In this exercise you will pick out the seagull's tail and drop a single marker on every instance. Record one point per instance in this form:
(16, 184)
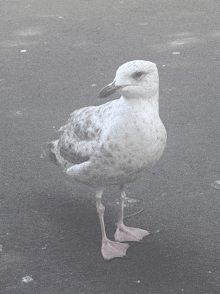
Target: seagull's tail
(50, 151)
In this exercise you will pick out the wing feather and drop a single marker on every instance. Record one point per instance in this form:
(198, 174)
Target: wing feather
(81, 134)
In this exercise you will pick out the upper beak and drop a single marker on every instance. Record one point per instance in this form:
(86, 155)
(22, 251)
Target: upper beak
(109, 89)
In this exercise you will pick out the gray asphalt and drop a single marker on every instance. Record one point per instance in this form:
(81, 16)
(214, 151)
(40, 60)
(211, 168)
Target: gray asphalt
(55, 57)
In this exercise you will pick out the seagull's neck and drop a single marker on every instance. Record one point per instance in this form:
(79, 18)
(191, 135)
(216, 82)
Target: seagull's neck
(152, 101)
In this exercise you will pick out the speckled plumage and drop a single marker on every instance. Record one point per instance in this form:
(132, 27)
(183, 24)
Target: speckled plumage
(115, 143)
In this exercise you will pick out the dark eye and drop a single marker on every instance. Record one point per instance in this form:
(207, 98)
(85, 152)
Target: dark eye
(138, 74)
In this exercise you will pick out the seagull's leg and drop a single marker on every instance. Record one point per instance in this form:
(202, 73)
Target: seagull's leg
(124, 233)
(110, 249)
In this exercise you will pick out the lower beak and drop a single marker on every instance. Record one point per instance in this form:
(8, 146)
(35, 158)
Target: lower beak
(109, 89)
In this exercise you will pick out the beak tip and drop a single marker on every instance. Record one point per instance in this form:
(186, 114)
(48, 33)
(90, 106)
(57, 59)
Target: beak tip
(109, 90)
(103, 94)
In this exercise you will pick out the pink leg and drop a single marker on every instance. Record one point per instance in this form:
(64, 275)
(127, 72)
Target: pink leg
(124, 233)
(110, 249)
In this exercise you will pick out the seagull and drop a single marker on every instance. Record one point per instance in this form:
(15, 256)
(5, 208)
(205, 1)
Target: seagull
(115, 143)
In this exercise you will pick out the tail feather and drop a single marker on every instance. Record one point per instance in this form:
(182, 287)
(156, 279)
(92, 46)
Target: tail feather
(52, 157)
(50, 151)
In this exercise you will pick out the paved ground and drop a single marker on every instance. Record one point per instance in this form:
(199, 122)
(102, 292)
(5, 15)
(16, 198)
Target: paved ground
(55, 57)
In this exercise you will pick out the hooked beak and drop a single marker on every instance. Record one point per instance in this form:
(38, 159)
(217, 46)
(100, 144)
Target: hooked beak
(109, 89)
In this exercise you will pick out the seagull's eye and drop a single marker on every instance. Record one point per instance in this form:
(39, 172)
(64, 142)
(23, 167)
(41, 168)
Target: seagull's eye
(138, 74)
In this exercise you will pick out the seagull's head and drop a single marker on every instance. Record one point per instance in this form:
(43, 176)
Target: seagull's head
(134, 79)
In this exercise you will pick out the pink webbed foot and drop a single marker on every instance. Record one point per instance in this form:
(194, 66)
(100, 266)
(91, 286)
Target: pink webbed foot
(111, 249)
(124, 233)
